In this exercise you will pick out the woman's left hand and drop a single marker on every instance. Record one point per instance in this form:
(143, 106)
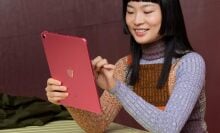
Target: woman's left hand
(104, 73)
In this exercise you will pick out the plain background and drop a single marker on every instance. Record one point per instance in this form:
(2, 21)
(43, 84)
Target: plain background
(23, 68)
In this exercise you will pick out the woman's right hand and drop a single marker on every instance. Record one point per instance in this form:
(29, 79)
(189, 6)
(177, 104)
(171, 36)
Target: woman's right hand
(55, 91)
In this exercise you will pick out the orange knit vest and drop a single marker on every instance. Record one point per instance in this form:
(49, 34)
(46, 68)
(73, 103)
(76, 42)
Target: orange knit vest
(146, 86)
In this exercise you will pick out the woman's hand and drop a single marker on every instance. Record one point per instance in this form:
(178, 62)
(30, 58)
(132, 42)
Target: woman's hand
(55, 92)
(103, 73)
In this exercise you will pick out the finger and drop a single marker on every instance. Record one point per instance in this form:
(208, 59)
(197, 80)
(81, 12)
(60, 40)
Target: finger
(52, 88)
(97, 59)
(61, 95)
(109, 66)
(55, 100)
(100, 64)
(52, 81)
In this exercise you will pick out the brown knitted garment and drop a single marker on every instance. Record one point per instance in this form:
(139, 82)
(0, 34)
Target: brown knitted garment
(146, 87)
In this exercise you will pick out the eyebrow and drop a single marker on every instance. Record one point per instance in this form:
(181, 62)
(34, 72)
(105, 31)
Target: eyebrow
(143, 6)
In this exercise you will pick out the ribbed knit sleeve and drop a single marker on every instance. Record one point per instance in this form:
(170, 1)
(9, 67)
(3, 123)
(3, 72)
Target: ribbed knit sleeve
(97, 123)
(190, 78)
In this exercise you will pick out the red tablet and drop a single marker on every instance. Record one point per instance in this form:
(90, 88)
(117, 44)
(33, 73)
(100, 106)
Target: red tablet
(69, 62)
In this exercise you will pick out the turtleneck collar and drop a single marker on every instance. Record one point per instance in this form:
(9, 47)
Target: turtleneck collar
(154, 50)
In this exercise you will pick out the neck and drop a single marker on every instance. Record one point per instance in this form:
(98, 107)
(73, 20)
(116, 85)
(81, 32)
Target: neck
(153, 50)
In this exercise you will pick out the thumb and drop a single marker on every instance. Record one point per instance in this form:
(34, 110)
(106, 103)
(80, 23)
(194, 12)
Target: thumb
(109, 66)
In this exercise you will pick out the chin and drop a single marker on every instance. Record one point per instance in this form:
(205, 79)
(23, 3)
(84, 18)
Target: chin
(142, 42)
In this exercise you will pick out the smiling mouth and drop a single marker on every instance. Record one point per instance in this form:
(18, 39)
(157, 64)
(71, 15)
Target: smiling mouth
(140, 32)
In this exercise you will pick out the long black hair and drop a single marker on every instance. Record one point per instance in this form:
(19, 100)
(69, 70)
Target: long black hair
(174, 35)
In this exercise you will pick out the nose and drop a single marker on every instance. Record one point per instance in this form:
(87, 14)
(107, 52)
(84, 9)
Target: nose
(139, 19)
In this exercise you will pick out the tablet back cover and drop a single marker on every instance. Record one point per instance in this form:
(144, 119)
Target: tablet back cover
(69, 62)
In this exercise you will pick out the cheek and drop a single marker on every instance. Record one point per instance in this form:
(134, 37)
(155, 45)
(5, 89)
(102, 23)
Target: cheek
(155, 24)
(155, 21)
(129, 24)
(128, 20)
(155, 18)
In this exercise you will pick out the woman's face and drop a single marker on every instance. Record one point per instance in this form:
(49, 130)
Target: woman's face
(144, 21)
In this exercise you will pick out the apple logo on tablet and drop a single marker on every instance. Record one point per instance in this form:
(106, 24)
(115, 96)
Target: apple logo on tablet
(70, 72)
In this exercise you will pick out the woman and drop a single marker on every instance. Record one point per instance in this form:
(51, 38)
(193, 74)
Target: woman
(161, 84)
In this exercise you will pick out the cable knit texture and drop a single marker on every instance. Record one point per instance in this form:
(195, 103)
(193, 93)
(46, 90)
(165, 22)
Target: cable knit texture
(146, 87)
(185, 109)
(183, 97)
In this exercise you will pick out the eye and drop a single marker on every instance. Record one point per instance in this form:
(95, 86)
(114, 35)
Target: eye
(130, 12)
(147, 12)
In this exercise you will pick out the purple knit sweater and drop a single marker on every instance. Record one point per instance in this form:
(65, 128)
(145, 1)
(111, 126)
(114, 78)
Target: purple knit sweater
(185, 110)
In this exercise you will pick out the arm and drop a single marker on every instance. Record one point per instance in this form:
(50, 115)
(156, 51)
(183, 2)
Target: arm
(190, 78)
(97, 123)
